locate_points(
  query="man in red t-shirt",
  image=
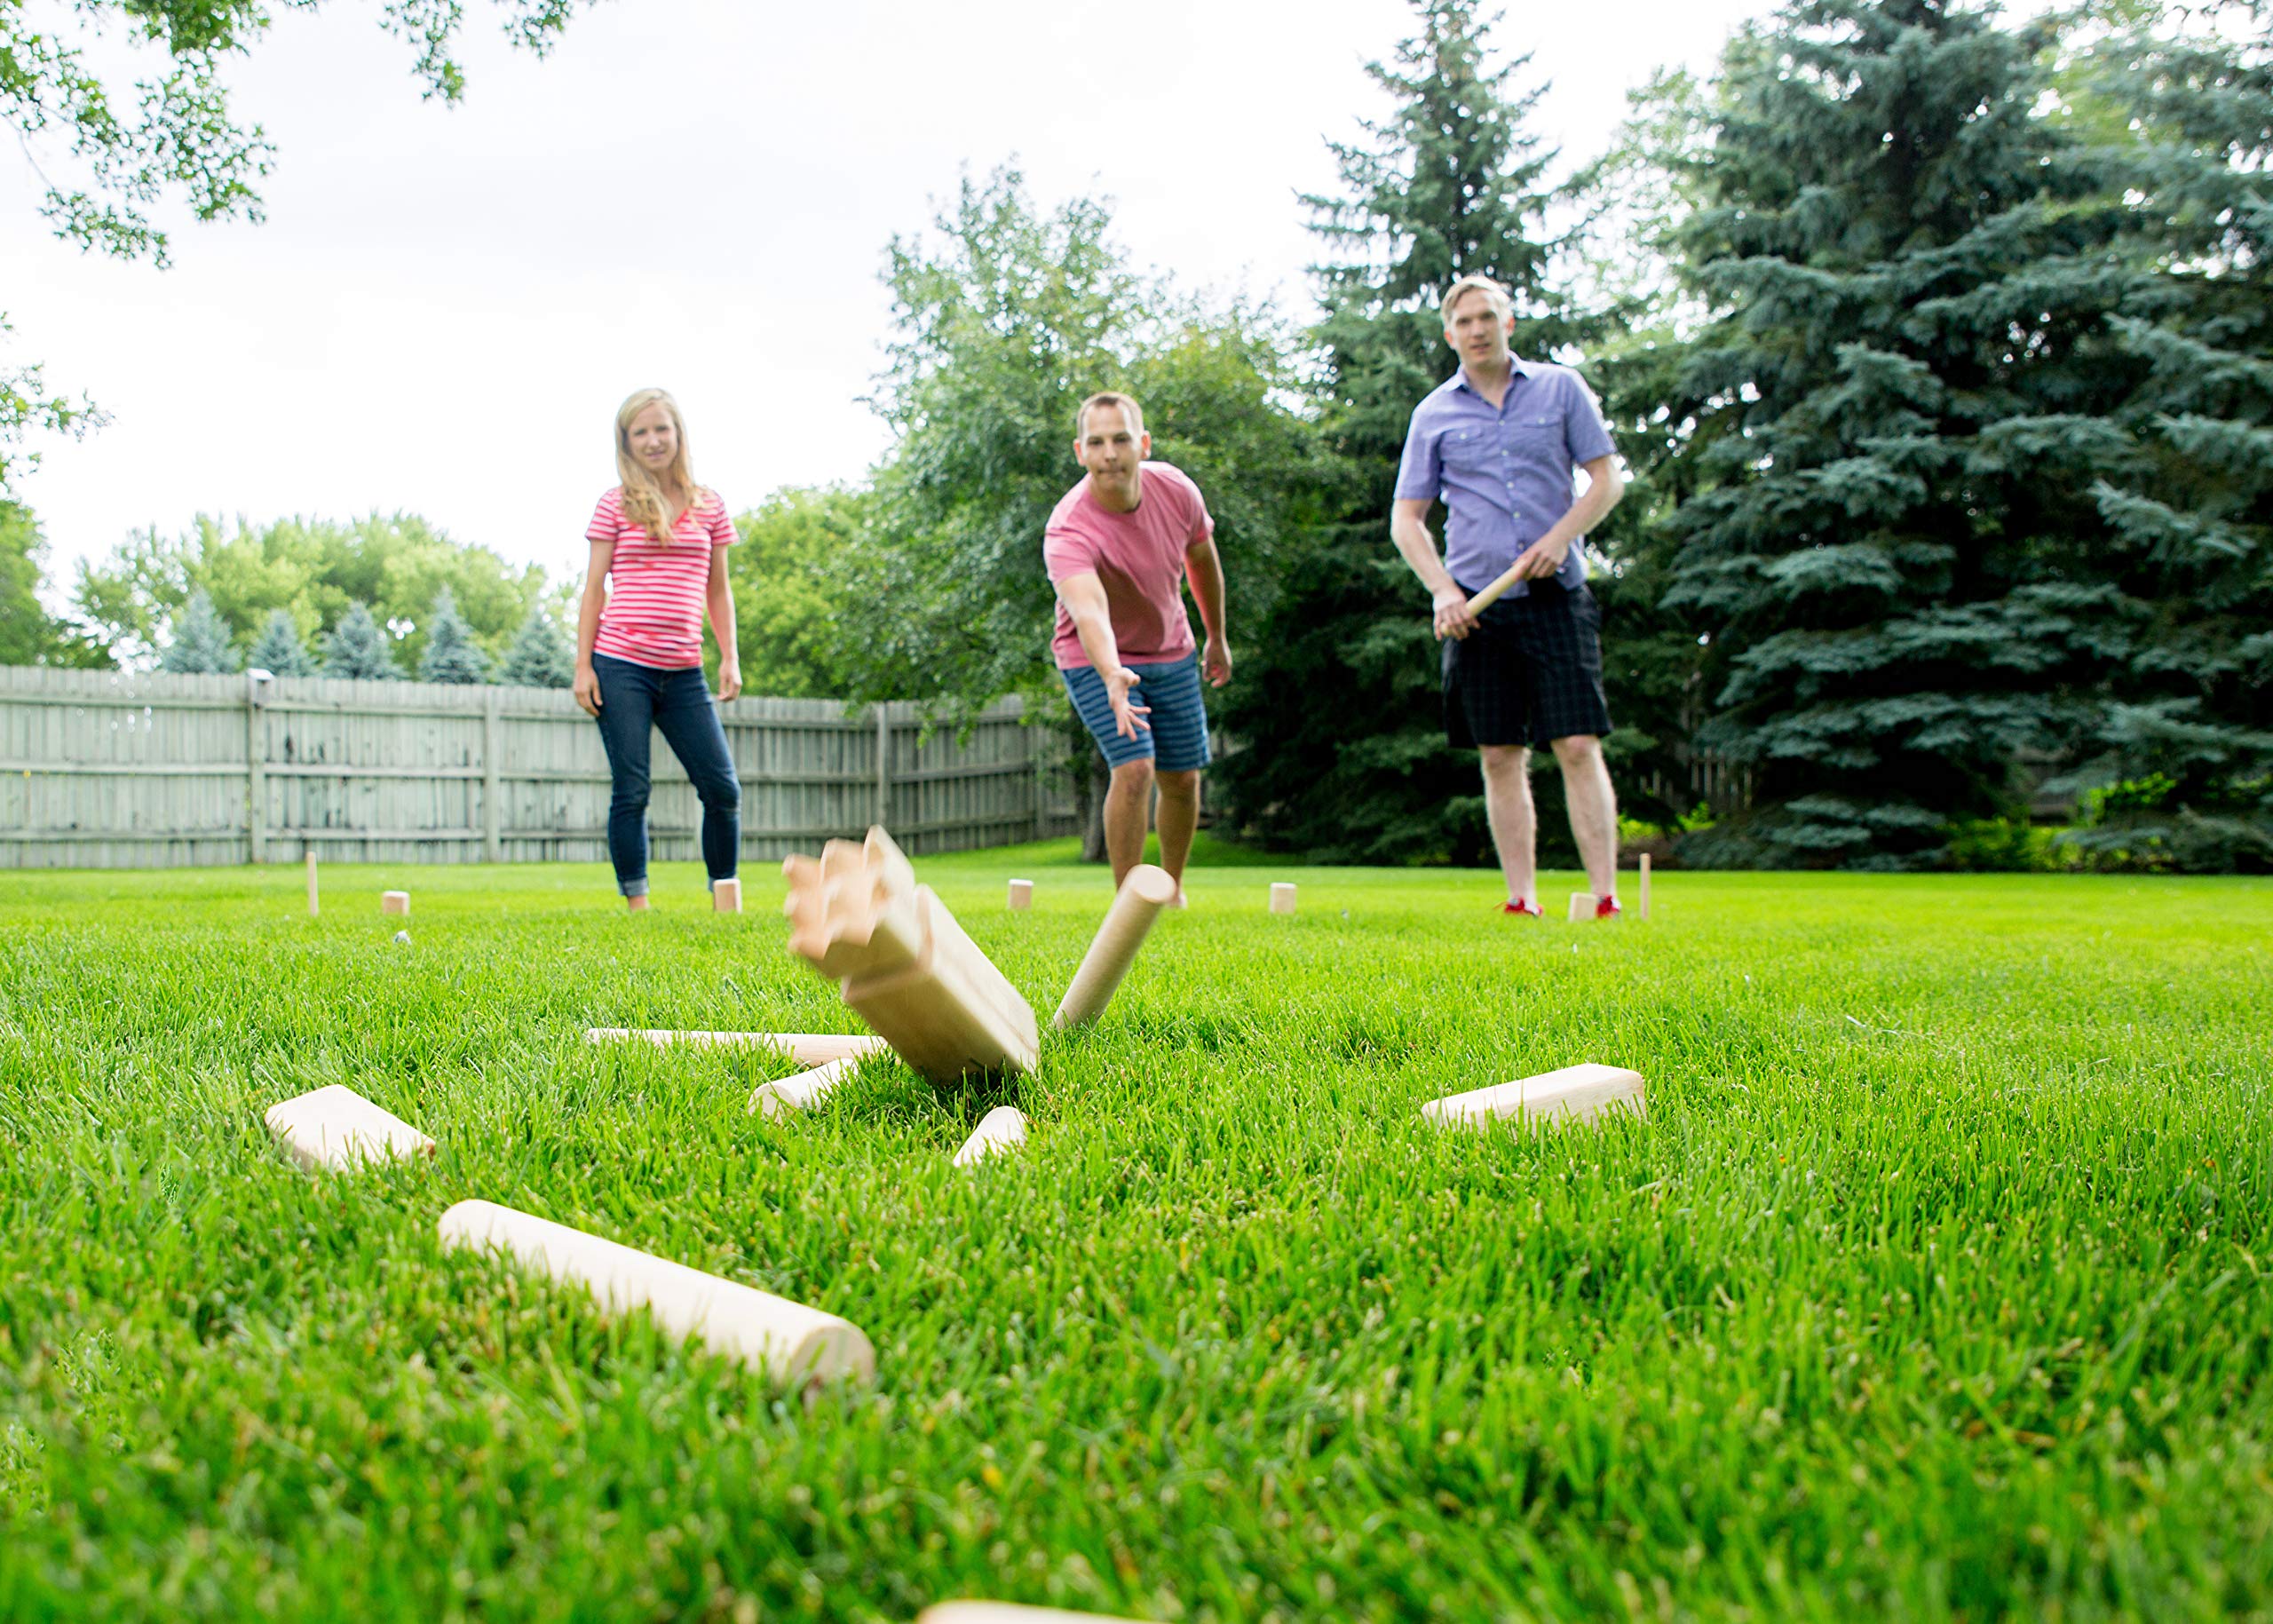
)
(1118, 548)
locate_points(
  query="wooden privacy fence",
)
(104, 770)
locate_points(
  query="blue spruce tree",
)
(540, 656)
(451, 656)
(359, 649)
(1899, 404)
(201, 639)
(279, 650)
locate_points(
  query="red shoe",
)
(1531, 908)
(1608, 908)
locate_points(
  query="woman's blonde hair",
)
(643, 502)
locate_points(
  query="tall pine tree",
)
(360, 649)
(200, 640)
(451, 655)
(279, 650)
(1898, 411)
(2186, 764)
(1338, 691)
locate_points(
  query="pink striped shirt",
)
(653, 613)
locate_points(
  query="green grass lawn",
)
(1934, 1285)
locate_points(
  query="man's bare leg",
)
(1128, 809)
(1514, 822)
(1178, 817)
(1593, 809)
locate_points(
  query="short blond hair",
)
(1476, 282)
(1109, 397)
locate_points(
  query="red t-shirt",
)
(653, 613)
(1138, 557)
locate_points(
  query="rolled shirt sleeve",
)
(1584, 431)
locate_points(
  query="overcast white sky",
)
(444, 305)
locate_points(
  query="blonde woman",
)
(658, 560)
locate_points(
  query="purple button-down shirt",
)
(1502, 473)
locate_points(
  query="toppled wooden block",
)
(904, 964)
(804, 1090)
(394, 902)
(787, 1339)
(1575, 1093)
(1141, 896)
(1582, 906)
(1000, 1131)
(335, 1127)
(804, 1047)
(1021, 896)
(1282, 897)
(725, 896)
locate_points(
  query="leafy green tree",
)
(541, 656)
(451, 655)
(360, 649)
(279, 650)
(172, 137)
(27, 408)
(1006, 323)
(2184, 763)
(1339, 702)
(29, 634)
(200, 642)
(1895, 418)
(395, 564)
(786, 572)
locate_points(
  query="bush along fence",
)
(108, 770)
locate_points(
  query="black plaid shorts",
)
(1529, 673)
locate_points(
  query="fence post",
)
(493, 732)
(256, 781)
(883, 765)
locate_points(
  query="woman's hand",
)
(729, 679)
(587, 688)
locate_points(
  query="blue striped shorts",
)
(1178, 741)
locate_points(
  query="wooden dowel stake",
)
(335, 1127)
(311, 884)
(804, 1047)
(1000, 1131)
(1147, 890)
(801, 1091)
(787, 1339)
(1575, 1093)
(1642, 889)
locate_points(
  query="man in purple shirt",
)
(1497, 443)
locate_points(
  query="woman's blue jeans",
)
(633, 698)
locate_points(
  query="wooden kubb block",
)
(1575, 1093)
(904, 964)
(1282, 897)
(788, 1340)
(1582, 906)
(337, 1128)
(394, 902)
(1021, 896)
(725, 896)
